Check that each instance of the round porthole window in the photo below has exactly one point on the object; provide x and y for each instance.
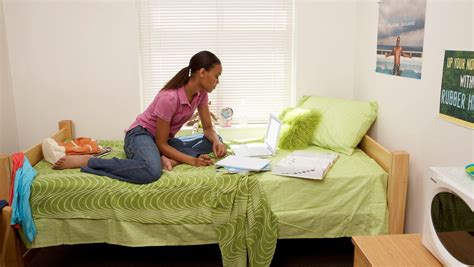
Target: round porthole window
(453, 221)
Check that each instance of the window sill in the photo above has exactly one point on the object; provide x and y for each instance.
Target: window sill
(233, 126)
(234, 132)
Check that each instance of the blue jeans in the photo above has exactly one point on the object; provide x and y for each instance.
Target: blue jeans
(143, 163)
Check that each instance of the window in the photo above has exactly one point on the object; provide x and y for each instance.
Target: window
(252, 38)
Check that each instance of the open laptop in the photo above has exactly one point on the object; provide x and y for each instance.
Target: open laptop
(265, 149)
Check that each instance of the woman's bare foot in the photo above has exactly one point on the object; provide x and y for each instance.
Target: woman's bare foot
(167, 163)
(71, 162)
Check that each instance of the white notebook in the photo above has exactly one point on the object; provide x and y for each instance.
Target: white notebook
(246, 163)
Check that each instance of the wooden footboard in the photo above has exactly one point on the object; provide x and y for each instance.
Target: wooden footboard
(12, 251)
(395, 163)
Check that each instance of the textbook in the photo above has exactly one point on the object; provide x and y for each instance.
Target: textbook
(305, 164)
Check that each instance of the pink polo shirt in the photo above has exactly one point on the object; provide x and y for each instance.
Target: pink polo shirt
(170, 105)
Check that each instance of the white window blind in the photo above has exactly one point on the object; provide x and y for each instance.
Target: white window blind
(252, 38)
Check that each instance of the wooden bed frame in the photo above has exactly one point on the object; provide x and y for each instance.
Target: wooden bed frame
(14, 253)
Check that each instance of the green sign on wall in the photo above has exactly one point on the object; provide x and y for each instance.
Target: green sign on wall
(457, 88)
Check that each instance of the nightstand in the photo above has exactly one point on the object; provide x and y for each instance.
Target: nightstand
(392, 250)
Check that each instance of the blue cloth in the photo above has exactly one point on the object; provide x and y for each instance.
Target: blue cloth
(143, 163)
(21, 210)
(192, 145)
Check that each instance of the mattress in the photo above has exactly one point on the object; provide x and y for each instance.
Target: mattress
(350, 200)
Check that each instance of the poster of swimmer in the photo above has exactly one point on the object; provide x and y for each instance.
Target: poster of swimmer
(456, 103)
(400, 37)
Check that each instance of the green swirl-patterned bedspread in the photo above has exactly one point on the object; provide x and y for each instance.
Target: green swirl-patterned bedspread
(235, 205)
(190, 206)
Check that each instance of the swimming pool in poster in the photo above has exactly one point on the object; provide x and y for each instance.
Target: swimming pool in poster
(410, 68)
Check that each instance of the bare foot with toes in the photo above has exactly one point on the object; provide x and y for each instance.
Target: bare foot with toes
(167, 163)
(71, 162)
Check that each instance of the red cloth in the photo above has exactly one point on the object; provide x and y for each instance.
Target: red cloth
(81, 146)
(17, 161)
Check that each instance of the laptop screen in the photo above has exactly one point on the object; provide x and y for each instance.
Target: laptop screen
(273, 132)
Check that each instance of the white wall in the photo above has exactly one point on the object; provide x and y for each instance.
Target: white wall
(408, 108)
(324, 47)
(8, 126)
(73, 60)
(81, 58)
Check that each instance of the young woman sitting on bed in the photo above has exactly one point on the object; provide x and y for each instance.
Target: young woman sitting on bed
(152, 133)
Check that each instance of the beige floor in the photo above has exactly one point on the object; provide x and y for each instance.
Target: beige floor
(322, 252)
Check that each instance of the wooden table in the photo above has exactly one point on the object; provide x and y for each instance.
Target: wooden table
(392, 250)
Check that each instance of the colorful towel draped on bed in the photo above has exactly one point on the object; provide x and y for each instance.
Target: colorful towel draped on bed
(236, 205)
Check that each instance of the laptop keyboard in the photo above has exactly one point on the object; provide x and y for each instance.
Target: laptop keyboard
(241, 150)
(251, 151)
(259, 151)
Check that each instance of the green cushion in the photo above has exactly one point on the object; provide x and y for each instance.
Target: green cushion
(343, 122)
(298, 127)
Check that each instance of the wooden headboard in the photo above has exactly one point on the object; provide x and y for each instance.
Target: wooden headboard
(396, 165)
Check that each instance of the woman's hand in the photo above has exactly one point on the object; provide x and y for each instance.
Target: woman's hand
(202, 160)
(219, 149)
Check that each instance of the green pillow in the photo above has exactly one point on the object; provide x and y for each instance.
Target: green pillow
(343, 122)
(298, 127)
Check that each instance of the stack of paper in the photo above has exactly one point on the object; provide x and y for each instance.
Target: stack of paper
(238, 164)
(305, 164)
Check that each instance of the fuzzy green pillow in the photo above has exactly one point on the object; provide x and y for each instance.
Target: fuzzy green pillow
(298, 127)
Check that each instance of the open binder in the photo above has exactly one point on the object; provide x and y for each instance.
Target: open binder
(305, 164)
